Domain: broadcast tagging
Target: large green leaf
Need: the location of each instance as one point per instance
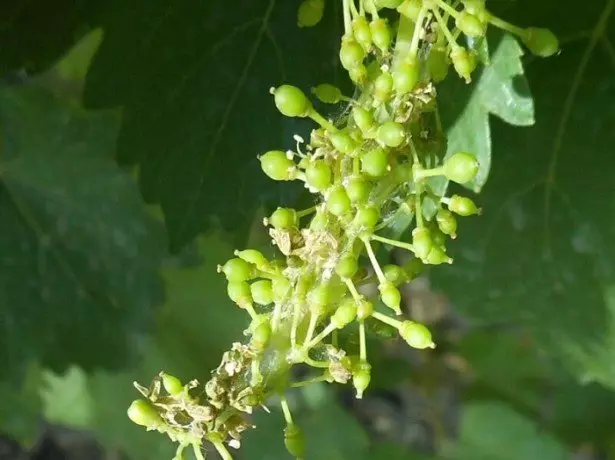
(79, 251)
(194, 79)
(541, 255)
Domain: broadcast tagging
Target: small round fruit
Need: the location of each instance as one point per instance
(462, 167)
(361, 378)
(406, 76)
(541, 42)
(345, 313)
(351, 53)
(327, 93)
(284, 219)
(375, 163)
(421, 242)
(277, 165)
(338, 202)
(367, 217)
(383, 86)
(342, 142)
(358, 189)
(281, 287)
(391, 134)
(438, 64)
(362, 32)
(464, 62)
(363, 118)
(394, 274)
(261, 335)
(254, 257)
(364, 309)
(463, 206)
(416, 335)
(470, 25)
(446, 222)
(291, 101)
(171, 384)
(318, 175)
(410, 9)
(438, 256)
(347, 265)
(390, 296)
(239, 292)
(381, 34)
(237, 269)
(310, 13)
(143, 413)
(262, 292)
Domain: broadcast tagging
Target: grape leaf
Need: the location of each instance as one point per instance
(66, 398)
(541, 255)
(194, 79)
(79, 251)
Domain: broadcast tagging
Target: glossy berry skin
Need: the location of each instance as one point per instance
(239, 292)
(462, 167)
(391, 134)
(237, 269)
(406, 76)
(541, 42)
(358, 189)
(416, 335)
(375, 163)
(351, 53)
(171, 384)
(277, 166)
(310, 12)
(284, 218)
(367, 217)
(327, 93)
(291, 101)
(262, 292)
(338, 202)
(463, 206)
(318, 175)
(143, 413)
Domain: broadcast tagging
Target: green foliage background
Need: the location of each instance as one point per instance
(128, 141)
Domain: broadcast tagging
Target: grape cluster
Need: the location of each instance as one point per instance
(365, 169)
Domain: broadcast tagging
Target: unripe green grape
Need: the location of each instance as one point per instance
(462, 167)
(406, 76)
(475, 7)
(338, 202)
(239, 292)
(541, 42)
(284, 218)
(438, 238)
(277, 165)
(362, 33)
(375, 163)
(463, 206)
(171, 384)
(318, 175)
(392, 4)
(310, 12)
(294, 440)
(347, 265)
(394, 274)
(470, 25)
(281, 287)
(416, 335)
(367, 217)
(464, 62)
(381, 34)
(363, 118)
(319, 296)
(342, 142)
(446, 222)
(391, 134)
(254, 257)
(291, 101)
(351, 53)
(345, 313)
(410, 9)
(327, 93)
(364, 309)
(438, 64)
(361, 378)
(319, 222)
(358, 189)
(383, 86)
(438, 256)
(421, 242)
(358, 75)
(390, 296)
(237, 269)
(261, 335)
(143, 413)
(262, 292)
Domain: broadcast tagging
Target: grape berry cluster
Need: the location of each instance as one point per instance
(367, 168)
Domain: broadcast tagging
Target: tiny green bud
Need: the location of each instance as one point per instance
(318, 175)
(390, 296)
(381, 34)
(345, 313)
(391, 134)
(342, 142)
(255, 257)
(327, 93)
(284, 219)
(262, 292)
(364, 309)
(462, 167)
(406, 76)
(383, 86)
(237, 269)
(464, 62)
(351, 53)
(171, 384)
(358, 189)
(260, 335)
(394, 274)
(338, 202)
(446, 222)
(541, 42)
(363, 118)
(239, 292)
(143, 413)
(463, 206)
(291, 101)
(421, 242)
(410, 9)
(375, 163)
(361, 377)
(470, 25)
(281, 287)
(362, 33)
(347, 265)
(416, 335)
(367, 217)
(438, 256)
(276, 165)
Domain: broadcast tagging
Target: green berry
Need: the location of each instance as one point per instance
(358, 75)
(345, 313)
(438, 256)
(367, 217)
(294, 440)
(277, 165)
(281, 287)
(475, 7)
(239, 292)
(390, 296)
(319, 222)
(362, 33)
(375, 163)
(391, 134)
(310, 13)
(143, 413)
(541, 42)
(364, 309)
(342, 142)
(284, 219)
(363, 118)
(410, 9)
(327, 93)
(438, 64)
(413, 268)
(261, 335)
(381, 34)
(252, 256)
(237, 269)
(347, 265)
(262, 292)
(291, 101)
(438, 238)
(320, 295)
(406, 76)
(338, 202)
(383, 86)
(446, 222)
(171, 384)
(361, 378)
(416, 335)
(394, 274)
(392, 4)
(462, 167)
(463, 206)
(421, 242)
(464, 62)
(318, 175)
(351, 53)
(358, 189)
(470, 25)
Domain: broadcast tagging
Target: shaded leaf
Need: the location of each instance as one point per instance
(66, 398)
